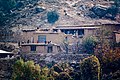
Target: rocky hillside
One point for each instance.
(33, 13)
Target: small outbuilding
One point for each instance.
(4, 54)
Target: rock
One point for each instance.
(82, 7)
(99, 10)
(91, 15)
(39, 9)
(51, 1)
(109, 16)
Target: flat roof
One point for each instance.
(37, 44)
(118, 32)
(5, 52)
(75, 27)
(45, 32)
(28, 30)
(83, 25)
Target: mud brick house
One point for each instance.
(46, 40)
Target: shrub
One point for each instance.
(57, 68)
(45, 71)
(75, 75)
(54, 74)
(52, 17)
(50, 78)
(109, 57)
(90, 68)
(64, 76)
(117, 3)
(89, 45)
(25, 71)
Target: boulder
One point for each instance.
(39, 9)
(92, 15)
(99, 10)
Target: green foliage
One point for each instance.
(26, 71)
(89, 45)
(117, 3)
(51, 78)
(7, 5)
(44, 71)
(90, 68)
(115, 8)
(57, 68)
(55, 75)
(75, 75)
(64, 76)
(52, 17)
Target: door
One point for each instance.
(50, 49)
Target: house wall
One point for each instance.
(55, 38)
(89, 32)
(39, 49)
(71, 39)
(25, 49)
(27, 36)
(117, 37)
(110, 28)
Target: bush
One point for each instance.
(90, 68)
(117, 3)
(45, 71)
(52, 17)
(55, 75)
(64, 76)
(57, 68)
(26, 71)
(89, 45)
(109, 57)
(75, 75)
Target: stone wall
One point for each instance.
(37, 58)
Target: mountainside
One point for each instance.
(33, 13)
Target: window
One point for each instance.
(81, 32)
(33, 48)
(41, 39)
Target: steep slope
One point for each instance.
(33, 14)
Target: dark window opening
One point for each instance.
(74, 31)
(81, 32)
(33, 48)
(50, 49)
